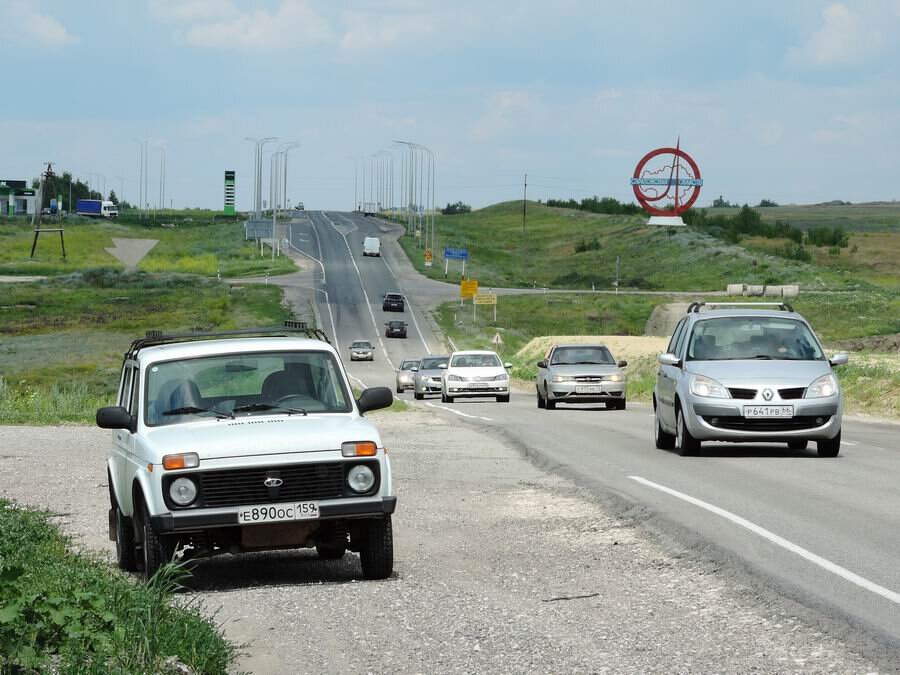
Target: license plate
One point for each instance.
(478, 385)
(589, 389)
(275, 513)
(768, 411)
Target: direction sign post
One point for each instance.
(455, 254)
(428, 257)
(485, 299)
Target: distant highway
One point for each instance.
(818, 531)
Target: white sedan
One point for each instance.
(475, 374)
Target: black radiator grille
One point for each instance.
(240, 487)
(791, 394)
(768, 423)
(737, 392)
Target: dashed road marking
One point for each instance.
(827, 565)
(458, 412)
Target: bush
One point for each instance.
(828, 236)
(766, 203)
(595, 204)
(458, 207)
(584, 245)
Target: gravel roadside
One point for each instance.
(499, 568)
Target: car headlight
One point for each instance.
(825, 386)
(455, 378)
(563, 378)
(360, 478)
(504, 376)
(616, 377)
(705, 386)
(183, 491)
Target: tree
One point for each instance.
(765, 203)
(458, 207)
(721, 203)
(113, 198)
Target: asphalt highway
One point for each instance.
(818, 533)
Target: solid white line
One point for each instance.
(363, 287)
(849, 443)
(320, 290)
(364, 385)
(778, 541)
(457, 412)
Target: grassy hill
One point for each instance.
(566, 248)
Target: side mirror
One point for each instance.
(622, 364)
(542, 364)
(443, 366)
(669, 360)
(116, 417)
(374, 398)
(839, 359)
(415, 370)
(507, 365)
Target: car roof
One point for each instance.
(393, 293)
(589, 345)
(746, 313)
(474, 351)
(435, 356)
(247, 345)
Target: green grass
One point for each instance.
(651, 258)
(63, 612)
(62, 340)
(196, 245)
(874, 216)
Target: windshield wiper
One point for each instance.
(764, 357)
(256, 407)
(194, 410)
(591, 363)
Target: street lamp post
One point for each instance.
(287, 149)
(140, 179)
(259, 172)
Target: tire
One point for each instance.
(503, 399)
(685, 444)
(621, 404)
(448, 399)
(830, 447)
(418, 396)
(126, 553)
(331, 552)
(612, 405)
(541, 403)
(663, 439)
(550, 404)
(154, 548)
(798, 445)
(376, 555)
(399, 390)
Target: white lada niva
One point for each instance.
(246, 440)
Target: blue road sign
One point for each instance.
(456, 253)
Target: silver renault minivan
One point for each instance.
(747, 373)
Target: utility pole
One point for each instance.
(618, 259)
(524, 212)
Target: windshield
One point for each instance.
(434, 364)
(239, 384)
(361, 345)
(475, 361)
(589, 355)
(408, 365)
(764, 338)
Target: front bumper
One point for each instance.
(204, 519)
(567, 392)
(465, 389)
(428, 387)
(361, 356)
(723, 420)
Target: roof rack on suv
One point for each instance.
(157, 337)
(695, 307)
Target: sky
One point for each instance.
(798, 102)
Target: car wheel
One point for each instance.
(664, 440)
(540, 400)
(448, 399)
(550, 404)
(399, 390)
(503, 399)
(685, 444)
(331, 552)
(418, 396)
(154, 546)
(376, 554)
(126, 553)
(830, 447)
(798, 444)
(621, 404)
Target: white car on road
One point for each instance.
(245, 441)
(475, 374)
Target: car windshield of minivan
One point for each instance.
(582, 355)
(475, 361)
(433, 364)
(244, 384)
(748, 338)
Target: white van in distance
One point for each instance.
(371, 246)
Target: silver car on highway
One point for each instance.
(405, 375)
(362, 350)
(580, 374)
(428, 375)
(754, 372)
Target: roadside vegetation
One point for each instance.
(190, 241)
(65, 612)
(62, 340)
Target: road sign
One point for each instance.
(485, 299)
(428, 257)
(497, 340)
(456, 253)
(468, 288)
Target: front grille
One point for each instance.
(768, 424)
(589, 378)
(737, 392)
(791, 394)
(240, 487)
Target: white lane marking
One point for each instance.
(778, 541)
(849, 443)
(363, 287)
(320, 290)
(457, 412)
(364, 385)
(411, 312)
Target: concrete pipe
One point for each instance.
(772, 292)
(755, 290)
(790, 291)
(736, 289)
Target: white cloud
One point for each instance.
(223, 25)
(365, 30)
(505, 112)
(845, 38)
(39, 28)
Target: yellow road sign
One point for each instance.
(468, 288)
(428, 256)
(485, 299)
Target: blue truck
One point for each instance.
(96, 208)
